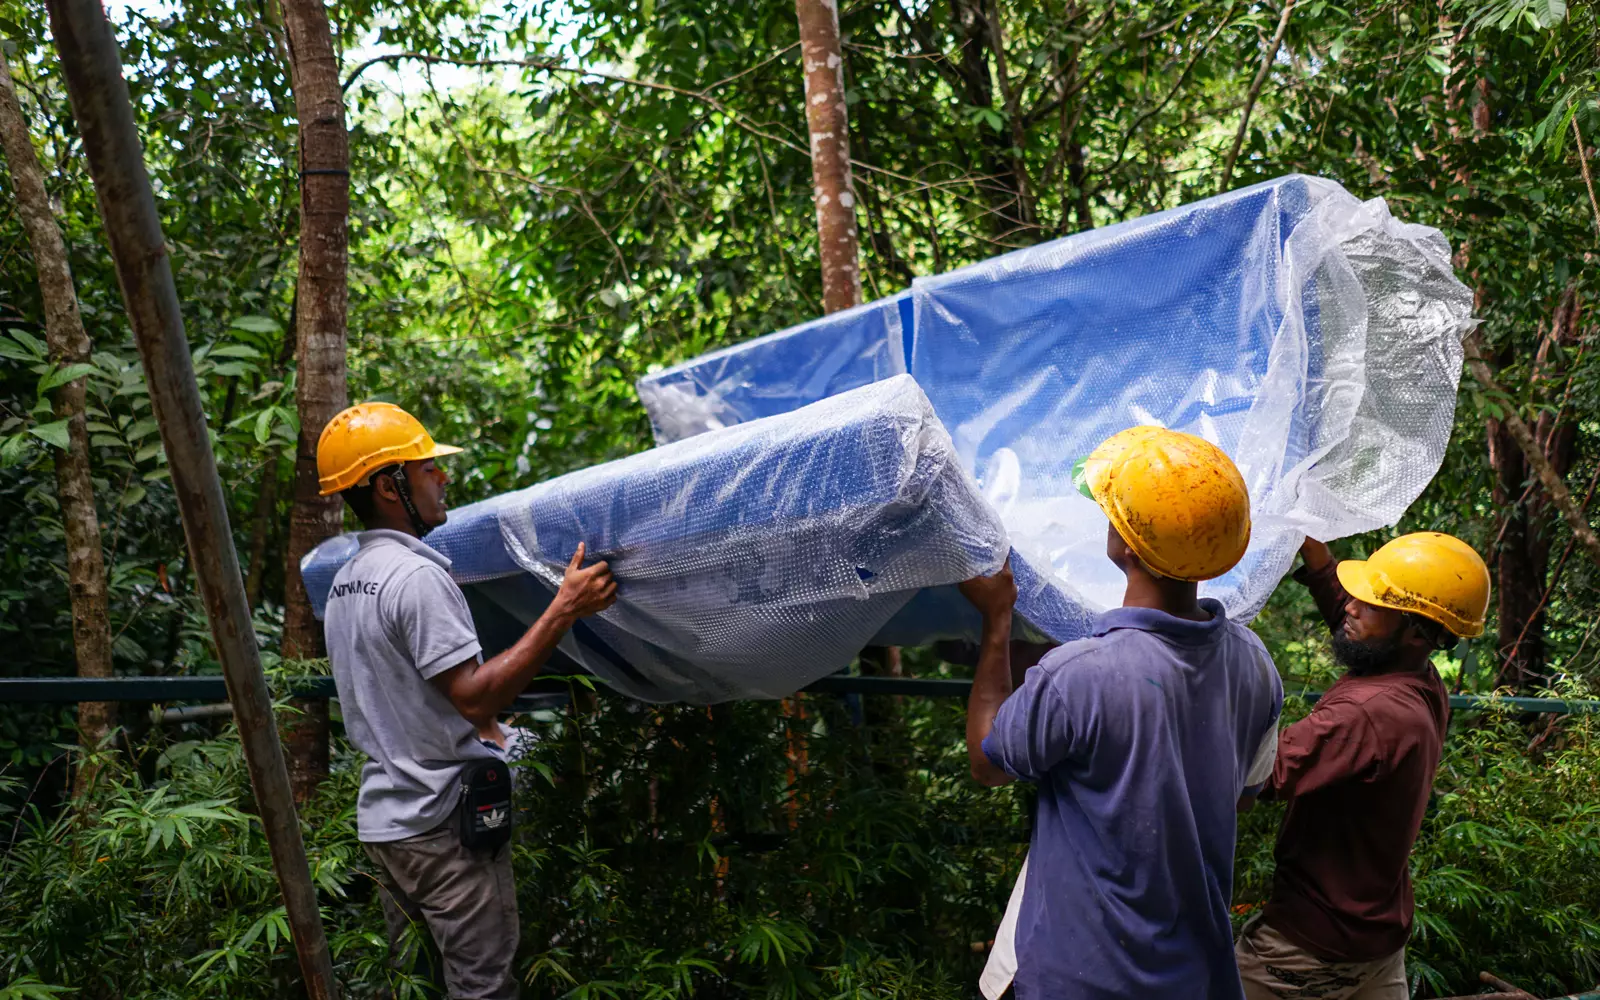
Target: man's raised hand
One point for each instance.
(585, 590)
(992, 595)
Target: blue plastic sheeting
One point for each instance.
(1312, 336)
(809, 499)
(751, 561)
(800, 365)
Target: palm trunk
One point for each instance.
(322, 296)
(69, 344)
(829, 122)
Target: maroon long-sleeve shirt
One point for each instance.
(1356, 774)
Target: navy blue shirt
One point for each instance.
(1140, 739)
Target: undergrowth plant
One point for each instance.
(753, 849)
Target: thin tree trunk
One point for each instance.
(1076, 198)
(69, 344)
(1525, 548)
(1027, 206)
(1553, 485)
(322, 297)
(92, 68)
(828, 120)
(1518, 579)
(261, 527)
(1255, 92)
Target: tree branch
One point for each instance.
(1583, 164)
(1255, 91)
(1553, 485)
(919, 33)
(1183, 78)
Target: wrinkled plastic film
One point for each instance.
(755, 559)
(1312, 336)
(816, 500)
(836, 353)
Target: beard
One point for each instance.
(1367, 657)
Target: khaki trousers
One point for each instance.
(465, 898)
(1274, 968)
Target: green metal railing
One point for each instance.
(163, 689)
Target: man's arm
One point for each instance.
(481, 691)
(1332, 745)
(994, 597)
(1319, 577)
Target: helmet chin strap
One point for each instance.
(398, 475)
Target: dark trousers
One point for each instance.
(465, 900)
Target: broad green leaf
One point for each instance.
(54, 434)
(142, 428)
(256, 324)
(236, 351)
(62, 376)
(264, 424)
(33, 344)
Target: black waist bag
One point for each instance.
(485, 805)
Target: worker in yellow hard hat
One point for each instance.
(1142, 738)
(418, 698)
(1357, 772)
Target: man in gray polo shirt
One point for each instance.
(419, 699)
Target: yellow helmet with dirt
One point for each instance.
(1434, 575)
(367, 437)
(1176, 499)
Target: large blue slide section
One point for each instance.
(822, 488)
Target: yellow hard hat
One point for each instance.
(367, 437)
(1437, 576)
(1176, 499)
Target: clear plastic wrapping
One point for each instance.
(810, 497)
(1311, 335)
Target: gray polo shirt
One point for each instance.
(395, 620)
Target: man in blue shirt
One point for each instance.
(1141, 738)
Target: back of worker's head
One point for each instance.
(1176, 503)
(368, 441)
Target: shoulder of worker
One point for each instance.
(1392, 697)
(1086, 660)
(388, 563)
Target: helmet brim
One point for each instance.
(437, 451)
(1366, 584)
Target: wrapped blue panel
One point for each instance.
(751, 560)
(755, 559)
(1312, 336)
(800, 365)
(815, 500)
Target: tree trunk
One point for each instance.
(1518, 580)
(828, 120)
(69, 344)
(261, 528)
(322, 297)
(1523, 575)
(1006, 189)
(92, 68)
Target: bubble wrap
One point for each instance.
(1312, 336)
(751, 560)
(823, 488)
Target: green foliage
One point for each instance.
(526, 242)
(671, 851)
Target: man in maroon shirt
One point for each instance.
(1356, 773)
